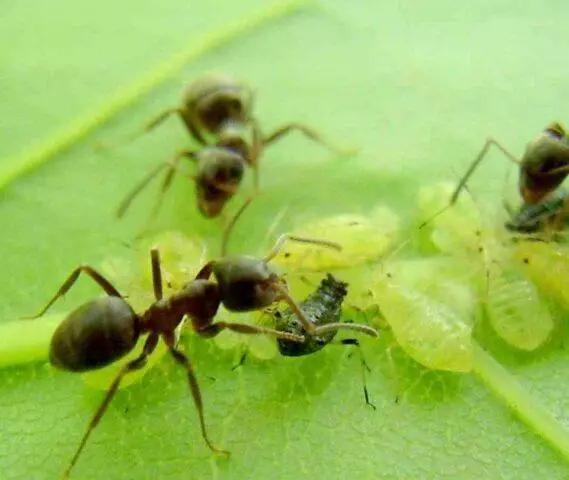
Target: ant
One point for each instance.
(543, 166)
(104, 330)
(324, 309)
(218, 107)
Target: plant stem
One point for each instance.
(525, 406)
(26, 341)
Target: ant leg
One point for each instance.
(229, 227)
(96, 276)
(161, 118)
(313, 330)
(476, 162)
(131, 366)
(279, 244)
(184, 361)
(363, 364)
(214, 329)
(125, 204)
(156, 273)
(309, 133)
(473, 166)
(257, 145)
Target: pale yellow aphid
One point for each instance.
(181, 258)
(514, 307)
(429, 308)
(547, 265)
(364, 238)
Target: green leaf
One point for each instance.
(417, 86)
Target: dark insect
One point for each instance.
(549, 215)
(216, 110)
(324, 309)
(542, 168)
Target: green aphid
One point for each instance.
(514, 307)
(429, 309)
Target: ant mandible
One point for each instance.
(218, 107)
(104, 330)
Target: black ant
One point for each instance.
(104, 330)
(218, 107)
(324, 309)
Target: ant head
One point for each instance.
(218, 176)
(213, 100)
(247, 283)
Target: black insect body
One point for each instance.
(550, 214)
(322, 307)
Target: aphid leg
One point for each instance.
(162, 117)
(96, 276)
(279, 244)
(156, 273)
(131, 366)
(170, 165)
(363, 364)
(184, 361)
(393, 370)
(309, 133)
(242, 359)
(214, 329)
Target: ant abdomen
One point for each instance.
(214, 100)
(94, 335)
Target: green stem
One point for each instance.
(37, 155)
(26, 341)
(524, 405)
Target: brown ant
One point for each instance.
(218, 107)
(104, 330)
(542, 168)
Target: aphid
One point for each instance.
(218, 107)
(514, 308)
(550, 215)
(364, 238)
(322, 307)
(429, 306)
(102, 331)
(547, 265)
